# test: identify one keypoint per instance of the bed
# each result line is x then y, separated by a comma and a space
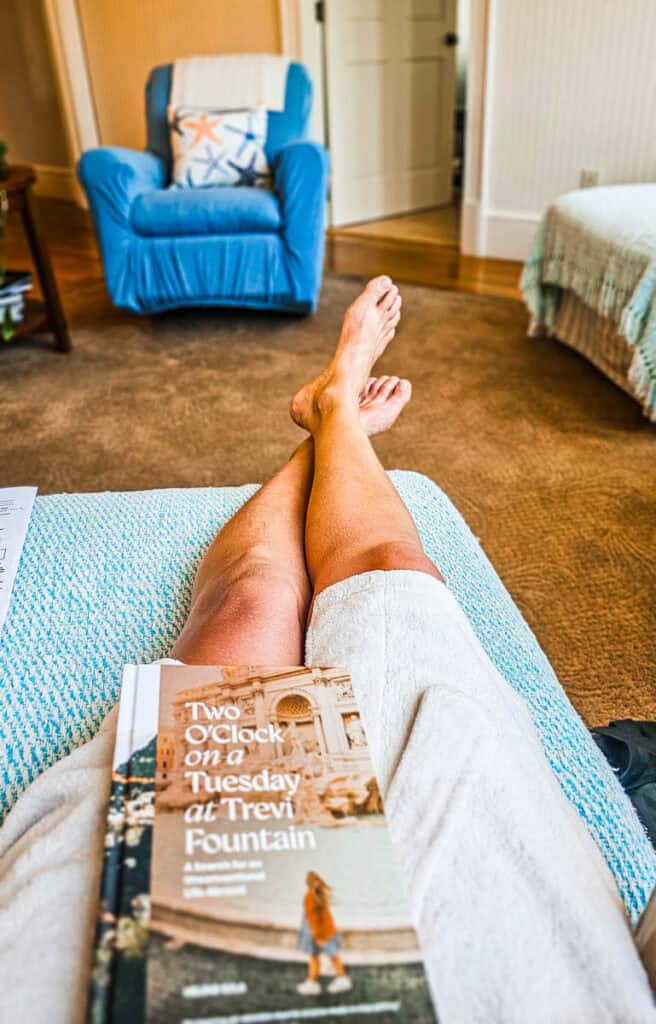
590, 282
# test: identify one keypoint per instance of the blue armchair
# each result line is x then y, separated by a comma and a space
163, 248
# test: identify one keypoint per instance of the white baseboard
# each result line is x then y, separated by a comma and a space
509, 234
496, 234
470, 227
56, 182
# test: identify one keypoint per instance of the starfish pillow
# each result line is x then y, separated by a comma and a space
219, 147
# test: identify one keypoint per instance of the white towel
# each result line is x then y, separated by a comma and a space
518, 916
646, 939
236, 81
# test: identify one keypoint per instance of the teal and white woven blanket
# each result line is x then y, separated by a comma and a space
601, 244
105, 579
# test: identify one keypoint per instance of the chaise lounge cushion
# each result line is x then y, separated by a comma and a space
206, 211
106, 579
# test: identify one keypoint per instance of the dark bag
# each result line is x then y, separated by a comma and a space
630, 749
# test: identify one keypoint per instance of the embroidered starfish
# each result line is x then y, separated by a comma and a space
248, 175
214, 163
176, 122
204, 129
249, 135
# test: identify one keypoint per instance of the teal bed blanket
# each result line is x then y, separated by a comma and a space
106, 579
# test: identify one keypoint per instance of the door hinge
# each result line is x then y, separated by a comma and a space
320, 11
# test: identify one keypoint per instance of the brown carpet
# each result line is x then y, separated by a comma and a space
552, 465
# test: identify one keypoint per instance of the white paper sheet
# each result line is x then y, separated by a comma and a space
15, 511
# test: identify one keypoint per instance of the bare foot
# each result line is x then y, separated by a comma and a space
369, 325
381, 402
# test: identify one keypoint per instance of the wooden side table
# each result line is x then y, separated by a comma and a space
39, 316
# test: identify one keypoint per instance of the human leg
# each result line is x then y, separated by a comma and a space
251, 593
250, 596
356, 521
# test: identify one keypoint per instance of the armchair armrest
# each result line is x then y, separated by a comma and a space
113, 177
301, 181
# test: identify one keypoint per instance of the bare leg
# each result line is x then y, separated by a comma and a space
250, 597
356, 521
313, 968
251, 594
338, 964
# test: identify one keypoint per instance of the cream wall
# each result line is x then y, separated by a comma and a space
124, 39
30, 115
568, 86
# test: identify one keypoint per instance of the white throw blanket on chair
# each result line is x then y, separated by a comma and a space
239, 81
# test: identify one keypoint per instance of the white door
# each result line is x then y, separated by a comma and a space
390, 89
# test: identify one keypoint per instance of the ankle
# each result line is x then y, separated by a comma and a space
334, 401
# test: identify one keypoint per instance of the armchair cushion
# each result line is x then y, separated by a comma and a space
224, 210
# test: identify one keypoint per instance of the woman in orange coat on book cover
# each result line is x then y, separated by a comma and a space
319, 935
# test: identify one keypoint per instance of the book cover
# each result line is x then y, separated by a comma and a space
249, 874
15, 281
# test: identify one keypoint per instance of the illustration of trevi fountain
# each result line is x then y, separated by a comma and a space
299, 725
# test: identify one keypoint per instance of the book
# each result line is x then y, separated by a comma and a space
249, 874
16, 504
14, 282
13, 285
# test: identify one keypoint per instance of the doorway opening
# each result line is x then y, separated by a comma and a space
395, 112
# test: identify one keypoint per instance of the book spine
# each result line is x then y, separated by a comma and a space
100, 995
128, 978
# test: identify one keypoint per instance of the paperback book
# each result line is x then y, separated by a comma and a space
249, 874
13, 286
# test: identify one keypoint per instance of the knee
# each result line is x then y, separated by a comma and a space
256, 565
250, 586
382, 557
399, 555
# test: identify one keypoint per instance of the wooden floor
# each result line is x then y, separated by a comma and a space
439, 225
76, 259
74, 253
420, 248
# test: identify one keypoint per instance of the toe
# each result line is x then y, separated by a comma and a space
378, 286
394, 306
389, 298
388, 386
373, 293
391, 324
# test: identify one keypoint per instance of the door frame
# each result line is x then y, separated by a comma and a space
298, 24
73, 83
